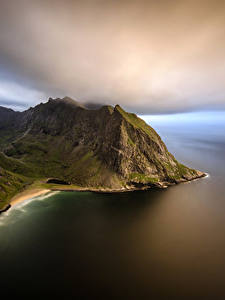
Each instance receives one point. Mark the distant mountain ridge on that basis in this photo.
(98, 148)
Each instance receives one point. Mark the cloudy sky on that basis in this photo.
(151, 57)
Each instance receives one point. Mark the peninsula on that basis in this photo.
(101, 149)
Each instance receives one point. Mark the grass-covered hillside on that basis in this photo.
(10, 184)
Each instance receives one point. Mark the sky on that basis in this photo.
(151, 57)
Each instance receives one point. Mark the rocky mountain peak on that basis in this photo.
(105, 147)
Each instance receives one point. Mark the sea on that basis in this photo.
(156, 244)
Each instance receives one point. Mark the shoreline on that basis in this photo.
(34, 192)
(28, 194)
(159, 185)
(5, 208)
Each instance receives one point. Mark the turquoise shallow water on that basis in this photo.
(167, 244)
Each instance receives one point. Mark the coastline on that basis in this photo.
(34, 192)
(27, 194)
(5, 208)
(159, 185)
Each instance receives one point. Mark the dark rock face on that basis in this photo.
(106, 147)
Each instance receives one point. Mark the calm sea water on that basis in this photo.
(159, 244)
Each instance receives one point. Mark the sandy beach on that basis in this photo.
(27, 194)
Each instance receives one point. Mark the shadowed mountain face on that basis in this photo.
(105, 147)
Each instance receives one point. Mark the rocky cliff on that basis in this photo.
(103, 147)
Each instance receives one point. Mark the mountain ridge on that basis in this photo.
(103, 148)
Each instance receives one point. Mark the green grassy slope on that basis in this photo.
(10, 184)
(137, 122)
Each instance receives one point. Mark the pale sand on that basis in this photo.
(27, 194)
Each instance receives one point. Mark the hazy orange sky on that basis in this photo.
(148, 56)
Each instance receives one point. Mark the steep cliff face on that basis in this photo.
(105, 147)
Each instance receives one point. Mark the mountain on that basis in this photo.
(97, 148)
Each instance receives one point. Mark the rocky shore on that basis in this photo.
(31, 193)
(131, 188)
(5, 208)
